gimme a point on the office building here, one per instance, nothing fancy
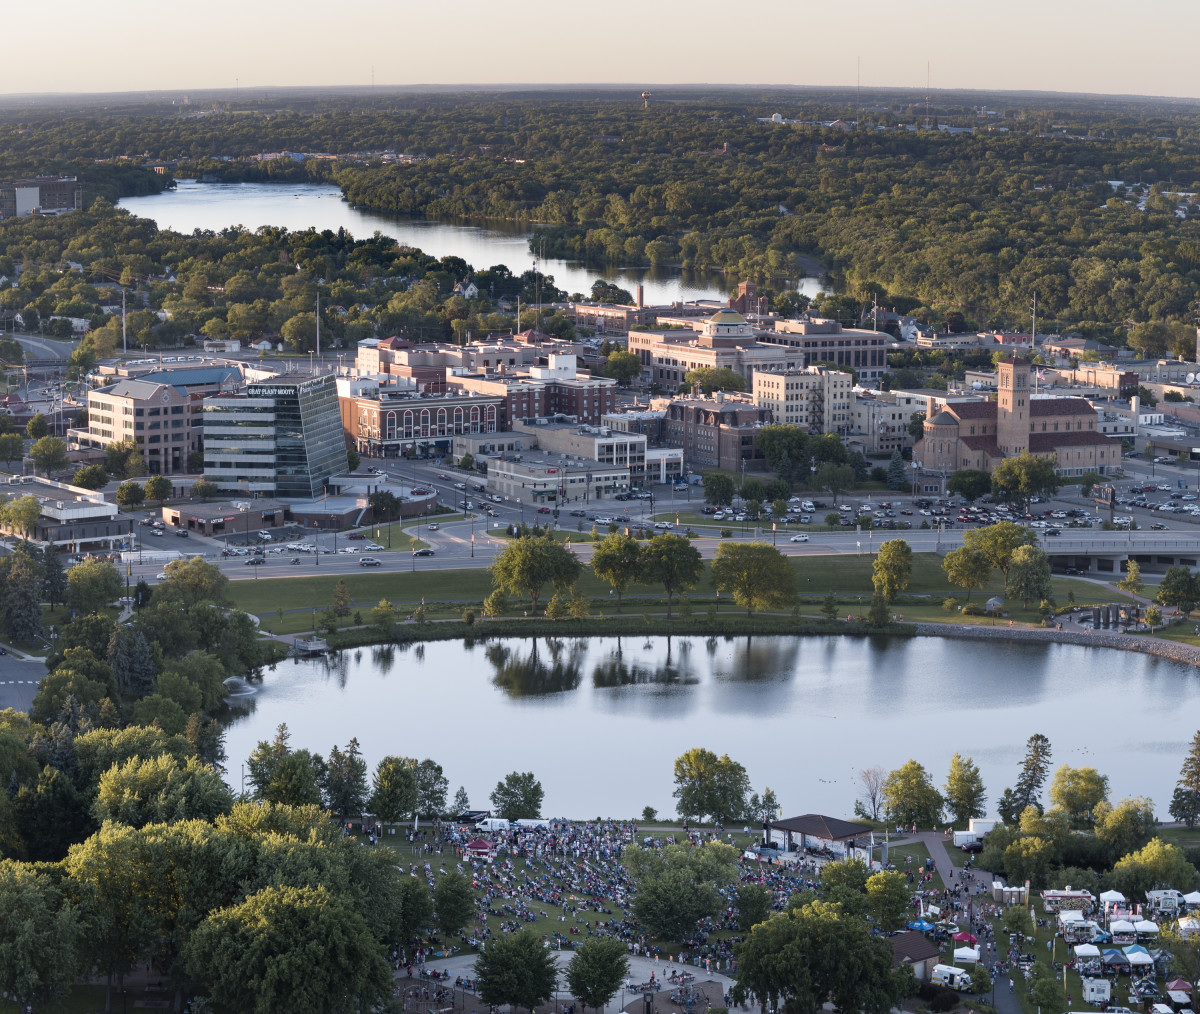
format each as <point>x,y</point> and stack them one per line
<point>605,447</point>
<point>816,398</point>
<point>717,432</point>
<point>280,439</point>
<point>42,195</point>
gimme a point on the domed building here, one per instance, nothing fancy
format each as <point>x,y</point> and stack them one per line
<point>981,434</point>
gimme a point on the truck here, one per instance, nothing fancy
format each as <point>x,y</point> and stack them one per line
<point>948,975</point>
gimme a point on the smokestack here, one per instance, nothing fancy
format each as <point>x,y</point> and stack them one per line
<point>641,302</point>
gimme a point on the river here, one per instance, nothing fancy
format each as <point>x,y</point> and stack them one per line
<point>601,721</point>
<point>299,206</point>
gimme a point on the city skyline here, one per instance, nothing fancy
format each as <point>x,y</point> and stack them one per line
<point>1072,46</point>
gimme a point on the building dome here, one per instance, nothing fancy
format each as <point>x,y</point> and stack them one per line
<point>727,317</point>
<point>943,418</point>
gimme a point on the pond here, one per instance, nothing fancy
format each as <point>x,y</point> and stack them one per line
<point>601,720</point>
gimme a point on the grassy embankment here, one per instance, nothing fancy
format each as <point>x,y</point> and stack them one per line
<point>291,605</point>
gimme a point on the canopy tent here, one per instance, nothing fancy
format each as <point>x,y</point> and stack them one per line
<point>1087,951</point>
<point>1067,915</point>
<point>1192,899</point>
<point>1112,957</point>
<point>1138,955</point>
<point>970,954</point>
<point>1188,927</point>
<point>1112,898</point>
<point>1145,926</point>
<point>921,925</point>
<point>965,938</point>
<point>1120,926</point>
<point>1180,985</point>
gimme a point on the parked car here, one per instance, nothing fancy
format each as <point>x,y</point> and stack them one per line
<point>972,846</point>
<point>181,533</point>
<point>432,527</point>
<point>543,510</point>
<point>156,531</point>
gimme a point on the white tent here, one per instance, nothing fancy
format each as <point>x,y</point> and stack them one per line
<point>1112,897</point>
<point>1140,958</point>
<point>1121,926</point>
<point>1193,898</point>
<point>1188,927</point>
<point>1087,951</point>
<point>1145,926</point>
<point>970,954</point>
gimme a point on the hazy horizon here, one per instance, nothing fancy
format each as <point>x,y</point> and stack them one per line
<point>1098,47</point>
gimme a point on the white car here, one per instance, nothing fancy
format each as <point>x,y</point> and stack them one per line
<point>802,537</point>
<point>161,575</point>
<point>664,524</point>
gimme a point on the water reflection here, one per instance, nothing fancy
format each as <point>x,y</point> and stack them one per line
<point>383,657</point>
<point>553,669</point>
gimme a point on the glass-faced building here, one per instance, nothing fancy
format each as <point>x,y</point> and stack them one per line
<point>279,439</point>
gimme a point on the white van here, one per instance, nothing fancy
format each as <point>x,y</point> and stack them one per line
<point>948,975</point>
<point>492,824</point>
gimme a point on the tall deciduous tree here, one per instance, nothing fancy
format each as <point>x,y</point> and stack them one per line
<point>893,568</point>
<point>965,796</point>
<point>530,562</point>
<point>718,488</point>
<point>888,899</point>
<point>1030,574</point>
<point>617,559</point>
<point>158,487</point>
<point>49,454</point>
<point>39,930</point>
<point>1179,588</point>
<point>1019,478</point>
<point>453,902</point>
<point>673,562</point>
<point>597,971</point>
<point>967,567</point>
<point>394,789</point>
<point>91,585</point>
<point>253,954</point>
<point>679,885</point>
<point>712,785</point>
<point>757,575</point>
<point>909,796</point>
<point>516,970</point>
<point>998,542</point>
<point>969,483</point>
<point>518,796</point>
<point>1077,792</point>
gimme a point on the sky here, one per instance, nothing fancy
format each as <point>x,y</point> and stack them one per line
<point>1095,46</point>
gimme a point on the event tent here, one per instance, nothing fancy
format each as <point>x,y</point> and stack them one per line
<point>965,938</point>
<point>967,954</point>
<point>1087,951</point>
<point>1112,957</point>
<point>1138,955</point>
<point>1192,899</point>
<point>921,925</point>
<point>1112,898</point>
<point>1181,985</point>
<point>1145,926</point>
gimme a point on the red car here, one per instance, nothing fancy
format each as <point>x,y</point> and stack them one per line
<point>543,510</point>
<point>356,535</point>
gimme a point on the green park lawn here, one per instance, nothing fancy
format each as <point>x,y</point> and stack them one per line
<point>447,592</point>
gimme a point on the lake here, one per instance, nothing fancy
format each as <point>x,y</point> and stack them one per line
<point>299,206</point>
<point>600,721</point>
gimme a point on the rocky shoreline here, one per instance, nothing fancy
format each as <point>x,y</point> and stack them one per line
<point>1173,650</point>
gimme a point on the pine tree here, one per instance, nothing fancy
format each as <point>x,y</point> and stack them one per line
<point>829,607</point>
<point>141,666</point>
<point>1185,803</point>
<point>23,598</point>
<point>118,658</point>
<point>54,577</point>
<point>897,476</point>
<point>340,606</point>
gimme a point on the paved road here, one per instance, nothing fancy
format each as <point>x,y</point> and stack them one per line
<point>18,681</point>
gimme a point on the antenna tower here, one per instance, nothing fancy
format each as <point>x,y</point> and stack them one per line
<point>926,94</point>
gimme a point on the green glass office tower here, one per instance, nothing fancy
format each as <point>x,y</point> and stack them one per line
<point>278,439</point>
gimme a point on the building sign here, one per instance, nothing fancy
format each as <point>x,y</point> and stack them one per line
<point>263,391</point>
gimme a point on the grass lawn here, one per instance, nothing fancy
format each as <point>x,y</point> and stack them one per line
<point>83,1000</point>
<point>447,592</point>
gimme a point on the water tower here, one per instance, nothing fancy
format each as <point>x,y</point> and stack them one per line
<point>645,100</point>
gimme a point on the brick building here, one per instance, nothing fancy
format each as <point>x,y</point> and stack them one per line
<point>717,432</point>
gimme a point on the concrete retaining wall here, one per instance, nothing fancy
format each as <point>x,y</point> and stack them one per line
<point>1099,639</point>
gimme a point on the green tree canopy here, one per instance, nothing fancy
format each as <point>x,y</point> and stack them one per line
<point>673,562</point>
<point>997,543</point>
<point>617,559</point>
<point>756,574</point>
<point>969,483</point>
<point>530,562</point>
<point>893,568</point>
<point>1078,791</point>
<point>1017,479</point>
<point>718,488</point>
<point>715,379</point>
<point>518,796</point>
<point>909,796</point>
<point>1030,574</point>
<point>597,970</point>
<point>1185,803</point>
<point>516,970</point>
<point>706,784</point>
<point>394,789</point>
<point>967,567</point>
<point>679,885</point>
<point>965,796</point>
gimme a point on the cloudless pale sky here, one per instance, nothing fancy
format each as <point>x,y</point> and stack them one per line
<point>1057,45</point>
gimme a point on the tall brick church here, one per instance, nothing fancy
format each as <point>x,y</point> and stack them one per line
<point>981,434</point>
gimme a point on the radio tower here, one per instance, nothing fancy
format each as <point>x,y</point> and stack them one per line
<point>927,95</point>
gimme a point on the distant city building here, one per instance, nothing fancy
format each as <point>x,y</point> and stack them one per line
<point>42,195</point>
<point>880,421</point>
<point>160,412</point>
<point>981,434</point>
<point>72,518</point>
<point>278,438</point>
<point>555,389</point>
<point>826,341</point>
<point>546,481</point>
<point>604,447</point>
<point>724,341</point>
<point>382,423</point>
<point>816,398</point>
<point>717,432</point>
<point>748,301</point>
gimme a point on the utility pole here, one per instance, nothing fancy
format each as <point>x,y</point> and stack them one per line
<point>318,323</point>
<point>1033,322</point>
<point>124,342</point>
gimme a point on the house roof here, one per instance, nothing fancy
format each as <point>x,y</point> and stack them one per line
<point>973,409</point>
<point>816,825</point>
<point>1059,406</point>
<point>137,389</point>
<point>943,418</point>
<point>1047,442</point>
<point>910,947</point>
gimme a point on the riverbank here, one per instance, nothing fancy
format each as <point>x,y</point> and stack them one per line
<point>1160,647</point>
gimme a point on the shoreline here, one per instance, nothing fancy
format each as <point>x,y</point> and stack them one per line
<point>1159,647</point>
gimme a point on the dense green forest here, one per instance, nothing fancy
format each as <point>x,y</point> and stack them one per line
<point>924,220</point>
